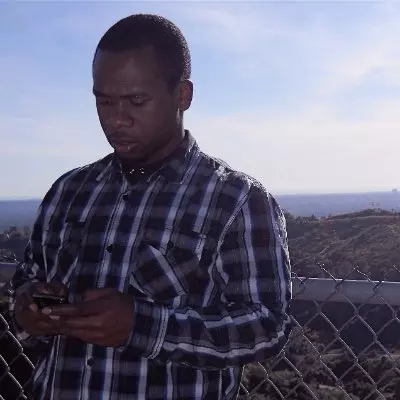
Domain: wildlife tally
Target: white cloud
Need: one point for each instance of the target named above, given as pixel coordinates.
(310, 151)
(314, 145)
(339, 54)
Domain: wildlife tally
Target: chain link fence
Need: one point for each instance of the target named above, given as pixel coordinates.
(15, 366)
(345, 345)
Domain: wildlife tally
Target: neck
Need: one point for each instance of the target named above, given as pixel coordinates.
(160, 154)
(168, 148)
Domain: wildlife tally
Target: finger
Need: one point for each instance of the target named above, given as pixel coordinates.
(81, 323)
(91, 307)
(46, 327)
(59, 288)
(42, 287)
(84, 308)
(35, 316)
(99, 293)
(88, 336)
(38, 324)
(62, 310)
(33, 307)
(24, 300)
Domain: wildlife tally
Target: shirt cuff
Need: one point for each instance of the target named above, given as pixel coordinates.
(150, 321)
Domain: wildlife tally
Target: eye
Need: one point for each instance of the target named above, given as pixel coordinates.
(104, 101)
(137, 101)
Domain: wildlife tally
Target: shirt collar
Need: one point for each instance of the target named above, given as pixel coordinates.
(175, 168)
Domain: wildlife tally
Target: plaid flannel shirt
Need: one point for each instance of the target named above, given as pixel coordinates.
(202, 250)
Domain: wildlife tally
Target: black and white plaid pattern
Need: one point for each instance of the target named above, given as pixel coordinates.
(201, 248)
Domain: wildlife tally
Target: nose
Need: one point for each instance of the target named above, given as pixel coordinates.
(120, 116)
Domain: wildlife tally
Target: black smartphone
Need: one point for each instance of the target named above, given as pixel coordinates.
(43, 300)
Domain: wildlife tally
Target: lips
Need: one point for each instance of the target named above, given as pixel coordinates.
(123, 145)
(122, 141)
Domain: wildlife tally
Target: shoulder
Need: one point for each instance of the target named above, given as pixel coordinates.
(74, 178)
(235, 182)
(79, 174)
(249, 194)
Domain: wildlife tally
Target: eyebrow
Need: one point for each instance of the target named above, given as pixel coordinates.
(97, 93)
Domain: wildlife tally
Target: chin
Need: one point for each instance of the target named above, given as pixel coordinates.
(131, 157)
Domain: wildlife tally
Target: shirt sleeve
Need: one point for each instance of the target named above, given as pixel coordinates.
(252, 322)
(31, 269)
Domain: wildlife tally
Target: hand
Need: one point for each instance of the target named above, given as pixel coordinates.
(103, 318)
(27, 314)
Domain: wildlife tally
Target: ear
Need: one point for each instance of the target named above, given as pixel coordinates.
(185, 94)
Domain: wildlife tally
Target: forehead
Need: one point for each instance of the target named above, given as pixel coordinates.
(117, 73)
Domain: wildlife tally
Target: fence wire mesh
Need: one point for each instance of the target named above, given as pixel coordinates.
(341, 347)
(15, 366)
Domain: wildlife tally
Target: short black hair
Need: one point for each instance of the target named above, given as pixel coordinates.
(141, 30)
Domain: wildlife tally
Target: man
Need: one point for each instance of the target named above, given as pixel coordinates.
(176, 266)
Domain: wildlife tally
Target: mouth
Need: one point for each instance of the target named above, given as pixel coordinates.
(123, 146)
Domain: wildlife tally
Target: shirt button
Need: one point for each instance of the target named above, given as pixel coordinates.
(89, 362)
(109, 248)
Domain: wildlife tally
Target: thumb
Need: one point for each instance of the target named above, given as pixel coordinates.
(96, 294)
(59, 288)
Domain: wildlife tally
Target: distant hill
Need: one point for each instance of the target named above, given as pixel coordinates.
(17, 212)
(368, 240)
(322, 205)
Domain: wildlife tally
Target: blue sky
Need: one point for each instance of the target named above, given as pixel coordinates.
(303, 96)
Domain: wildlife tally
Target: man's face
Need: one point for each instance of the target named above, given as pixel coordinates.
(138, 112)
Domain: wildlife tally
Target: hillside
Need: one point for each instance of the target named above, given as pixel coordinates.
(368, 240)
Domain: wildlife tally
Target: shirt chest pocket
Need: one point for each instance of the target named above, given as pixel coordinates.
(61, 249)
(170, 268)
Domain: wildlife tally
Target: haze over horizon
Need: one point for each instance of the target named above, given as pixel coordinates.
(302, 96)
(310, 194)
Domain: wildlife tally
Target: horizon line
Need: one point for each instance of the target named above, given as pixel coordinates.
(277, 194)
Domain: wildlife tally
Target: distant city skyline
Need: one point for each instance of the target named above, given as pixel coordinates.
(305, 97)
